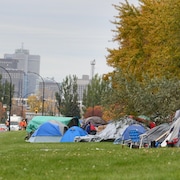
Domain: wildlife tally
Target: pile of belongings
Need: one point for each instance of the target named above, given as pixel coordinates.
(113, 131)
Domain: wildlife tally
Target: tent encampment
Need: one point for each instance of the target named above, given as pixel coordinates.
(111, 132)
(51, 131)
(38, 120)
(72, 132)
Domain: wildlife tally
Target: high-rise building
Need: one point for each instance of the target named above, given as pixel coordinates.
(28, 66)
(12, 72)
(82, 85)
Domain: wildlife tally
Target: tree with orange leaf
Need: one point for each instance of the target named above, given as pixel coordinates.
(93, 97)
(146, 62)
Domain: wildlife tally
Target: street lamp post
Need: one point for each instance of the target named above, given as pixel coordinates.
(58, 89)
(24, 83)
(10, 96)
(43, 90)
(22, 100)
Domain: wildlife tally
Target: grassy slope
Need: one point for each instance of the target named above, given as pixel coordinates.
(101, 161)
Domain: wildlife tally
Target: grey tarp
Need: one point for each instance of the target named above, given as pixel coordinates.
(155, 133)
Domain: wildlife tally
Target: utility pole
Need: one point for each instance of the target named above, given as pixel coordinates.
(43, 90)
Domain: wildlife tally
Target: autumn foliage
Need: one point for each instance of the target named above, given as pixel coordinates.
(146, 62)
(148, 38)
(93, 111)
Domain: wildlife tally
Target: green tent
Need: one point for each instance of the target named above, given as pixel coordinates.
(38, 120)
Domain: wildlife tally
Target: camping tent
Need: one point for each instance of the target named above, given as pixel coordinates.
(137, 127)
(51, 131)
(95, 120)
(38, 120)
(155, 134)
(72, 132)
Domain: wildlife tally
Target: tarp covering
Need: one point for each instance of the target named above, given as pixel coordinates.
(95, 120)
(72, 132)
(173, 134)
(113, 131)
(38, 120)
(155, 134)
(144, 117)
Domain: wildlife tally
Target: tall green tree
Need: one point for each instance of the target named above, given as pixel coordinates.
(96, 92)
(70, 105)
(5, 91)
(5, 96)
(154, 97)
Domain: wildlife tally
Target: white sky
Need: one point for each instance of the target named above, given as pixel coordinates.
(67, 34)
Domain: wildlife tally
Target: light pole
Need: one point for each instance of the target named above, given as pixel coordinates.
(43, 90)
(59, 100)
(10, 95)
(24, 83)
(22, 101)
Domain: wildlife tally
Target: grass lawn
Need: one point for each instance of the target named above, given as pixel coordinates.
(83, 160)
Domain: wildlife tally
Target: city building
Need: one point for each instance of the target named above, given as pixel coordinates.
(82, 85)
(16, 75)
(24, 69)
(50, 88)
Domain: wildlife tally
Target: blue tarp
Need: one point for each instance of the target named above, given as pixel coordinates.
(72, 132)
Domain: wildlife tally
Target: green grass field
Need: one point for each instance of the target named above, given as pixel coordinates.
(83, 160)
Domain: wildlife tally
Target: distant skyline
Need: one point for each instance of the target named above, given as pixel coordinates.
(67, 34)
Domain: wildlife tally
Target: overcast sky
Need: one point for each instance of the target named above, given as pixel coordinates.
(67, 34)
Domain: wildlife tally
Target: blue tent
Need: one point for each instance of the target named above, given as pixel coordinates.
(137, 127)
(51, 131)
(72, 132)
